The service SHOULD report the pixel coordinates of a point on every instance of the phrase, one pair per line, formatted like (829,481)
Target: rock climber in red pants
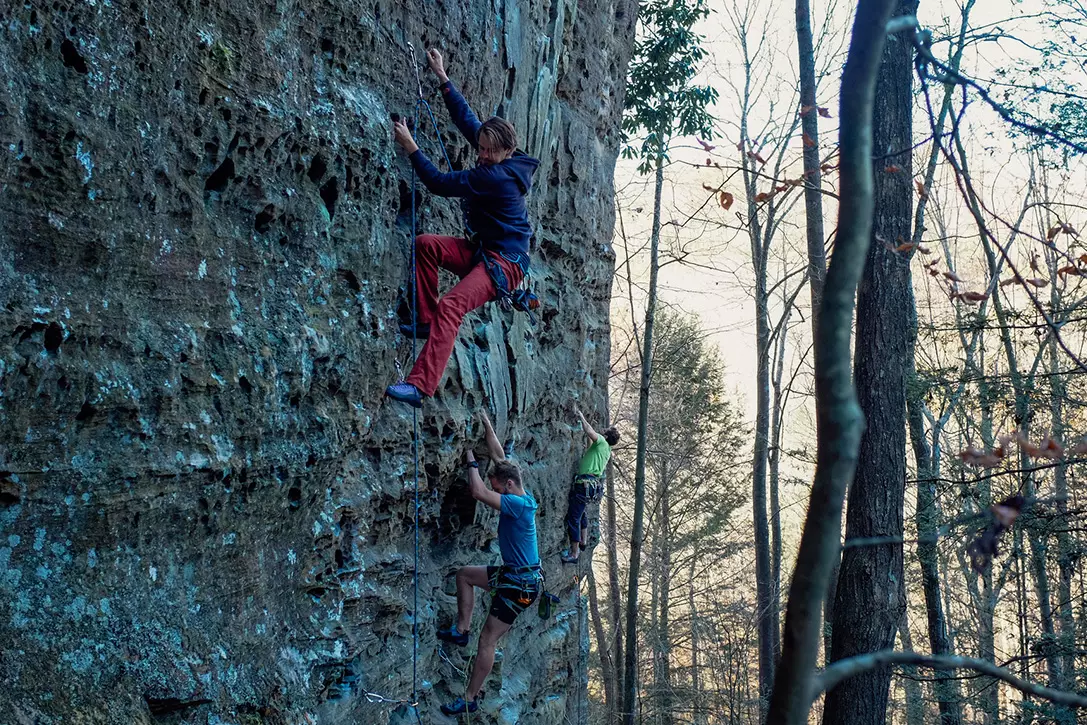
(496,250)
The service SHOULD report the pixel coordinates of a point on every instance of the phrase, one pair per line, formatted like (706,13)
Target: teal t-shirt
(517,530)
(595,459)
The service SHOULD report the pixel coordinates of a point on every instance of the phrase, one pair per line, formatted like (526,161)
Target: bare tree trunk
(630,682)
(926,516)
(839,419)
(870,600)
(615,642)
(813,180)
(603,648)
(766,609)
(776,425)
(699,716)
(915,703)
(664,644)
(1065,566)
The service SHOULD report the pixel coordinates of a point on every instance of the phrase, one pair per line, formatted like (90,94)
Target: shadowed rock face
(205,504)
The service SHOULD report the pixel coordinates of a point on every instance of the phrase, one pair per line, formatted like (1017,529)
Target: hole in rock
(9,490)
(72,58)
(351,280)
(221,176)
(330,194)
(244,383)
(54,335)
(86,412)
(264,219)
(294,497)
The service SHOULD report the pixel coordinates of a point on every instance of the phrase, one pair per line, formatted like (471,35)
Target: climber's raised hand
(402,135)
(434,60)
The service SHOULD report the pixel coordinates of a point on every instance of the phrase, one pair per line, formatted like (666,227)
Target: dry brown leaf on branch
(709,188)
(1034,262)
(754,155)
(973,296)
(1070,269)
(706,145)
(980,458)
(892,169)
(921,192)
(986,546)
(1053,232)
(809,141)
(1037,281)
(1069,230)
(805,110)
(1052,450)
(824,112)
(725,200)
(827,167)
(905,247)
(1011,281)
(1031,449)
(954,277)
(923,249)
(763,196)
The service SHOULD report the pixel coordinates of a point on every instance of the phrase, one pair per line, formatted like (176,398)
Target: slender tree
(839,418)
(662,101)
(870,597)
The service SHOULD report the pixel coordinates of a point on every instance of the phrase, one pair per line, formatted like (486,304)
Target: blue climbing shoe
(405,393)
(450,634)
(568,558)
(460,706)
(421,331)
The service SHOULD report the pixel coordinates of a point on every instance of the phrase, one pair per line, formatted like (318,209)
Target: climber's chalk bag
(547,601)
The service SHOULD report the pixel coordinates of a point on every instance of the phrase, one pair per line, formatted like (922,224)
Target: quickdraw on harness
(520,298)
(525,579)
(589,487)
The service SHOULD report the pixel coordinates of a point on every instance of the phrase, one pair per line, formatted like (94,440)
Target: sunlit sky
(717,285)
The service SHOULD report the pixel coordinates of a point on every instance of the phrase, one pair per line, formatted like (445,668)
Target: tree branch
(846,668)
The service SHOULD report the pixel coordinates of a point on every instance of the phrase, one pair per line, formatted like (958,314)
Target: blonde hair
(499,132)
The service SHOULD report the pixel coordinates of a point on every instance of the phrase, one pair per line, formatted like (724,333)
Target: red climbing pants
(444,315)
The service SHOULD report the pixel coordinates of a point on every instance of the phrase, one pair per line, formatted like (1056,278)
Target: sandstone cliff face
(205,504)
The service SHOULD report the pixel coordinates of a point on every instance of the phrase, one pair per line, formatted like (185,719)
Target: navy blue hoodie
(494,195)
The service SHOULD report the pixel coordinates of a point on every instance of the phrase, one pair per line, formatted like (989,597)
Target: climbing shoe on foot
(568,558)
(405,393)
(450,634)
(460,706)
(421,331)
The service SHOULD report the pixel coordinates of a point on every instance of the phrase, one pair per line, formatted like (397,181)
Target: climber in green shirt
(588,486)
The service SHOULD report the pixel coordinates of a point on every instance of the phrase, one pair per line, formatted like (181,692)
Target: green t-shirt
(595,459)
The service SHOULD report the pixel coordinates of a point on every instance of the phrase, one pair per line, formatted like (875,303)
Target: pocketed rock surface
(206,506)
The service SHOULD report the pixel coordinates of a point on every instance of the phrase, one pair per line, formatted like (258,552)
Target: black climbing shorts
(511,593)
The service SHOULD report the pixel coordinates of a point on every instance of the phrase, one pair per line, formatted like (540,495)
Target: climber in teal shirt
(516,583)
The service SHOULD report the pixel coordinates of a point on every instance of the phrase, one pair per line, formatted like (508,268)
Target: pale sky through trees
(720,295)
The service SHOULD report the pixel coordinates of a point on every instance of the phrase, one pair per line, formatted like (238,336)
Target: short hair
(611,435)
(500,132)
(506,471)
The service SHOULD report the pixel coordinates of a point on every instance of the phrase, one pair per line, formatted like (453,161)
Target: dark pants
(586,490)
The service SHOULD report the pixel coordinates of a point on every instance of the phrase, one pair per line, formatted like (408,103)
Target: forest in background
(816,517)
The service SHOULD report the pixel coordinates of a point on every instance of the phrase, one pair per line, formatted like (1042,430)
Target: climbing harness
(588,487)
(520,298)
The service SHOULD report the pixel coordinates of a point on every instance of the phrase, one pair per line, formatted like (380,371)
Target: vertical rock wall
(205,503)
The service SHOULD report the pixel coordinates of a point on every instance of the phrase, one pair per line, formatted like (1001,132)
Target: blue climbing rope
(420,104)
